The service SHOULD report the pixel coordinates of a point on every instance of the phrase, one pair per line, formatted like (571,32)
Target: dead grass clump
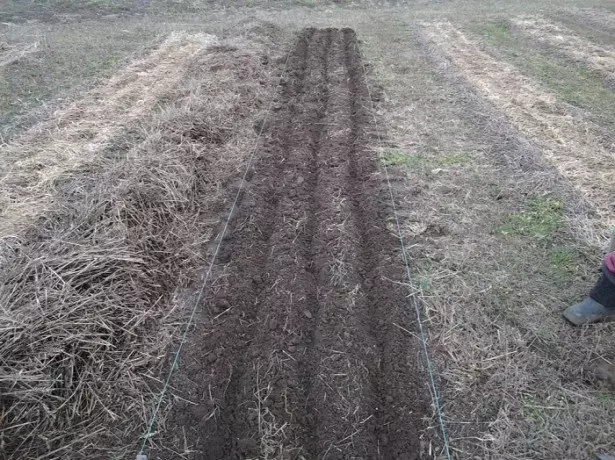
(87,291)
(81,303)
(568,42)
(10,54)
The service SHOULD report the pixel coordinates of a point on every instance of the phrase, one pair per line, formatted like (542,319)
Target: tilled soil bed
(300,351)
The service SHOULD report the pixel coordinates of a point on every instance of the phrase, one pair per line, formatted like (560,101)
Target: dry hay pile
(10,54)
(88,290)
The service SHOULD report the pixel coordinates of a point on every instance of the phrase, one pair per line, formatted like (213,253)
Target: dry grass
(76,136)
(89,290)
(10,54)
(571,143)
(272,433)
(511,371)
(568,42)
(597,17)
(71,58)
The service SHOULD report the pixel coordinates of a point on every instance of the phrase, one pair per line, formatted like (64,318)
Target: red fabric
(609,261)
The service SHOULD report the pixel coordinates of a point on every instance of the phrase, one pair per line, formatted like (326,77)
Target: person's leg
(604,290)
(599,305)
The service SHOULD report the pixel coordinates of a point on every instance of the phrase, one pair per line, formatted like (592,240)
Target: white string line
(148,433)
(433,390)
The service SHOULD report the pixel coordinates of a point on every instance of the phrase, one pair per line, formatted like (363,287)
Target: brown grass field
(138,314)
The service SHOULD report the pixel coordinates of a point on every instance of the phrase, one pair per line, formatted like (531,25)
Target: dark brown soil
(297,352)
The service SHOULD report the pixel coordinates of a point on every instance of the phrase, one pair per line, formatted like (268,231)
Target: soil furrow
(307,326)
(273,411)
(250,223)
(215,362)
(395,372)
(339,391)
(296,355)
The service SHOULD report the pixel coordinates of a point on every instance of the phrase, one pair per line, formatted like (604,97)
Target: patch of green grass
(532,410)
(541,219)
(606,398)
(424,283)
(104,6)
(573,82)
(309,3)
(400,158)
(562,263)
(577,85)
(541,411)
(562,259)
(99,3)
(47,10)
(5,94)
(496,30)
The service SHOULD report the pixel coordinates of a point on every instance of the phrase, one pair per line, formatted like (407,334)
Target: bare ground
(512,372)
(298,353)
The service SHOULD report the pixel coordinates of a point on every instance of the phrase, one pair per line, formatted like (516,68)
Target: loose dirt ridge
(299,352)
